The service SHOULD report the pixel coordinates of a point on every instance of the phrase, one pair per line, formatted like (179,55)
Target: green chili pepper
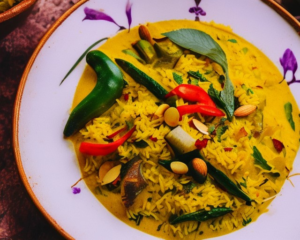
(142,78)
(202,215)
(108,88)
(220,177)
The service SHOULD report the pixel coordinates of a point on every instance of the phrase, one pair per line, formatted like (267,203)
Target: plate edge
(16,115)
(284,14)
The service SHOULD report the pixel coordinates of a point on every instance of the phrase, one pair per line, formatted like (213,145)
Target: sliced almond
(179,167)
(111,175)
(145,34)
(244,110)
(160,111)
(200,126)
(104,168)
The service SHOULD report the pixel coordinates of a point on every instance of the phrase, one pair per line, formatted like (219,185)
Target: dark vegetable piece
(133,181)
(191,93)
(142,78)
(197,108)
(167,58)
(202,215)
(145,50)
(220,177)
(108,88)
(95,149)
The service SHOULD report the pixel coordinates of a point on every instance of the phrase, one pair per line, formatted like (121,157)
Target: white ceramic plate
(46,161)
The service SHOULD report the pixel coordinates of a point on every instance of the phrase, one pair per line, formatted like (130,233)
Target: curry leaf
(198,75)
(288,108)
(216,97)
(202,43)
(259,160)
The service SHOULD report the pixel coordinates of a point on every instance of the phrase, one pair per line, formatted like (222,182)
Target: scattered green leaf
(246,222)
(259,160)
(245,50)
(177,78)
(288,108)
(198,75)
(141,144)
(220,131)
(232,40)
(132,54)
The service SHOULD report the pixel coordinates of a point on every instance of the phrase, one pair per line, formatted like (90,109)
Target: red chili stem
(192,93)
(203,109)
(97,149)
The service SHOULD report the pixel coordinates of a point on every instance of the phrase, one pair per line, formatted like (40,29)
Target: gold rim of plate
(15,10)
(279,9)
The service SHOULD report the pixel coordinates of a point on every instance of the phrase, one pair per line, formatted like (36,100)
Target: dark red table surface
(19,217)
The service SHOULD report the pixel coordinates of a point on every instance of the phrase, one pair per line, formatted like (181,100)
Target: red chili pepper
(201,143)
(116,133)
(153,139)
(192,93)
(96,149)
(228,149)
(278,145)
(203,109)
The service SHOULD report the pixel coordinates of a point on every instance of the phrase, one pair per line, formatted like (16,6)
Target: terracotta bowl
(14,11)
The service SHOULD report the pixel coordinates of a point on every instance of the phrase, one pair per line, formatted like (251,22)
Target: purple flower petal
(128,12)
(197,11)
(288,62)
(76,190)
(91,14)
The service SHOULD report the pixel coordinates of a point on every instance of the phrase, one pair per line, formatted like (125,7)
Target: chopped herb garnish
(141,144)
(288,108)
(177,78)
(220,131)
(245,50)
(232,40)
(246,222)
(198,76)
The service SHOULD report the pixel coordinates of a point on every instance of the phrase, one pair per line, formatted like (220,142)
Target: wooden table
(19,217)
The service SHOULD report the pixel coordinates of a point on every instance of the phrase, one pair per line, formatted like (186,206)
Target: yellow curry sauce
(265,74)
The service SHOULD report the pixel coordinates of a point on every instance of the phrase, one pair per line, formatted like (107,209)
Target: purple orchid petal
(128,13)
(197,11)
(289,62)
(76,190)
(91,14)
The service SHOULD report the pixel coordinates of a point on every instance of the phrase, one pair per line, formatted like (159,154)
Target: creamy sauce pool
(276,94)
